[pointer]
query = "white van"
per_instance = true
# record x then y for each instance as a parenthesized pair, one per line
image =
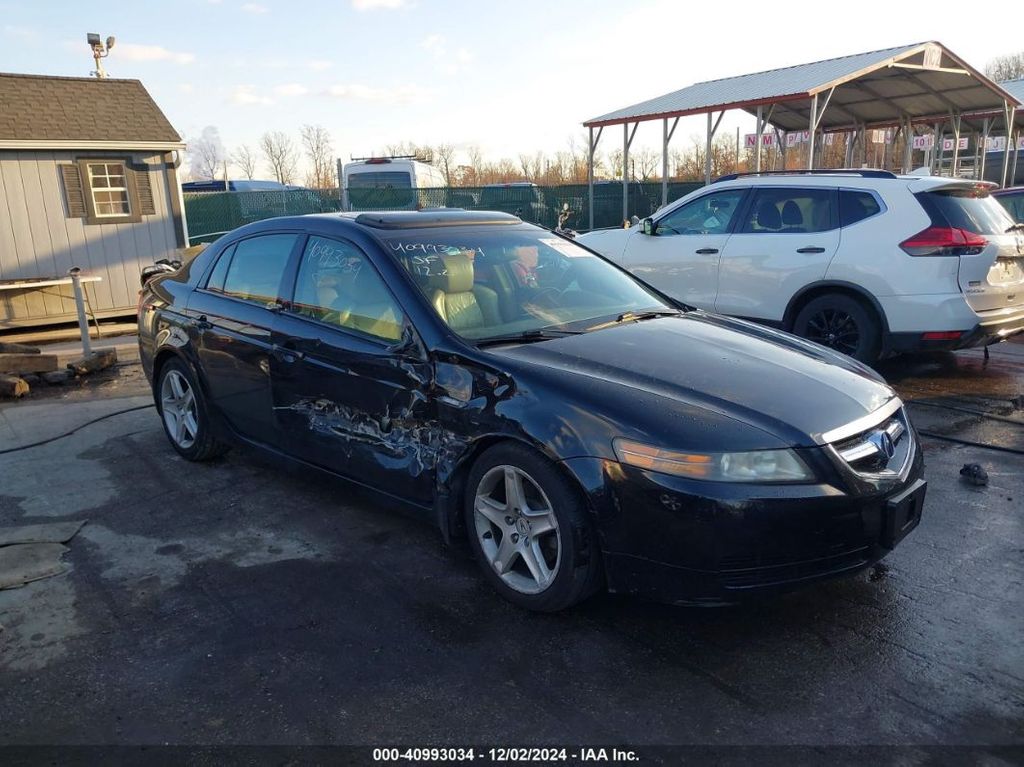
(389, 183)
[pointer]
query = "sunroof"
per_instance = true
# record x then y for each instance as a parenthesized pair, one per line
(424, 219)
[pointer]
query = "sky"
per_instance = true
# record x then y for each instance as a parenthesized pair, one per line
(509, 77)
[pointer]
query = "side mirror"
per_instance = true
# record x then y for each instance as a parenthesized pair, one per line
(408, 345)
(649, 227)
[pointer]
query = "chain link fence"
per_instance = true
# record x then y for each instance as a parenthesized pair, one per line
(211, 215)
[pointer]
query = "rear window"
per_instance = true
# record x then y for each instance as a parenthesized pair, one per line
(393, 179)
(1014, 203)
(856, 206)
(973, 210)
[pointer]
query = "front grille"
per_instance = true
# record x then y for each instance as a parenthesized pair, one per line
(882, 449)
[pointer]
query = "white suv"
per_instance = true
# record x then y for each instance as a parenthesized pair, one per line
(863, 261)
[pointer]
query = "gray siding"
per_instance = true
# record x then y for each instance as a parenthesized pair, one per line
(37, 239)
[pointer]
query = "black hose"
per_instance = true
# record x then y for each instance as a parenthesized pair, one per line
(72, 431)
(969, 443)
(979, 413)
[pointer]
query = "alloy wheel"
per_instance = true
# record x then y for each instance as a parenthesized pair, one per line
(178, 405)
(517, 529)
(835, 329)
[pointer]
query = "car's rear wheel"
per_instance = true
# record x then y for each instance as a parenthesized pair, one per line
(184, 414)
(530, 530)
(841, 323)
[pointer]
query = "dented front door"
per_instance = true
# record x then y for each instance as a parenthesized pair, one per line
(346, 397)
(348, 404)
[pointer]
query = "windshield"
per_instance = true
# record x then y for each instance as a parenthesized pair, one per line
(488, 283)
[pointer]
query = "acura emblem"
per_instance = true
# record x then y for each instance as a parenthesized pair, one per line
(883, 444)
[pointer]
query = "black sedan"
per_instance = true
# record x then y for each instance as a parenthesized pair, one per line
(577, 427)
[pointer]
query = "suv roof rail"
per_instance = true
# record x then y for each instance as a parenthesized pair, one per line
(862, 172)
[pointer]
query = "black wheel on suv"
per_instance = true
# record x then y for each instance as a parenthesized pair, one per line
(841, 323)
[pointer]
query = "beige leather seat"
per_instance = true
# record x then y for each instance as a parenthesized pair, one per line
(461, 303)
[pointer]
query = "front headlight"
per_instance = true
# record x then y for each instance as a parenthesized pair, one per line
(752, 466)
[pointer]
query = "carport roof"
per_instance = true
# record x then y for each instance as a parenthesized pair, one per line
(923, 81)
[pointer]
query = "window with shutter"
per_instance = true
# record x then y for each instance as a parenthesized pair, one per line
(74, 195)
(147, 206)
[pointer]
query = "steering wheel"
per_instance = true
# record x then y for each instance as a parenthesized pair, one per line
(546, 297)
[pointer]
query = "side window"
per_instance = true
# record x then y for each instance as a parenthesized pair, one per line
(257, 267)
(220, 270)
(856, 206)
(337, 285)
(710, 214)
(791, 211)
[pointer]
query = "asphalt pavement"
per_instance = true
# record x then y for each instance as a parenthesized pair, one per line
(239, 603)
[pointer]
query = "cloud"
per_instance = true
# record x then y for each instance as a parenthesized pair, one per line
(291, 89)
(319, 65)
(403, 94)
(25, 33)
(448, 63)
(136, 52)
(255, 8)
(186, 87)
(247, 94)
(373, 5)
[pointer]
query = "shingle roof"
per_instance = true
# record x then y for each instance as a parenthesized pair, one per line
(41, 108)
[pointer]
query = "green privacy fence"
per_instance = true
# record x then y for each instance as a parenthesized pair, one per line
(211, 215)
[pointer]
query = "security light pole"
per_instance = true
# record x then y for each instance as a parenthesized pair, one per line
(99, 51)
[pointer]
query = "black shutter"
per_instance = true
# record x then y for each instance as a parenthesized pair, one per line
(73, 191)
(145, 191)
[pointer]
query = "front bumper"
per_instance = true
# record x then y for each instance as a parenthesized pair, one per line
(689, 542)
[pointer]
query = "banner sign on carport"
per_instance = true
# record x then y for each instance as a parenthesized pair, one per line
(947, 144)
(767, 139)
(995, 144)
(924, 142)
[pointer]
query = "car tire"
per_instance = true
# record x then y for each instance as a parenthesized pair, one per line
(843, 324)
(184, 414)
(539, 552)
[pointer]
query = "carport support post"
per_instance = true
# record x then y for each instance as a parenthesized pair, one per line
(908, 146)
(627, 140)
(980, 174)
(757, 141)
(666, 136)
(954, 168)
(1016, 151)
(1009, 113)
(590, 178)
(936, 165)
(813, 127)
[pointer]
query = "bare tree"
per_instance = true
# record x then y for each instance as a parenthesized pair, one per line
(317, 143)
(445, 156)
(1009, 67)
(244, 158)
(206, 154)
(280, 155)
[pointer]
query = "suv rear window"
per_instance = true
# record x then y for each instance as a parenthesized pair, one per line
(856, 206)
(972, 210)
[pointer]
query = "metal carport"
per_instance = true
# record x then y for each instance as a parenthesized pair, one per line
(923, 83)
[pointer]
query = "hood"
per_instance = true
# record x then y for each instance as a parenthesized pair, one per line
(778, 383)
(610, 243)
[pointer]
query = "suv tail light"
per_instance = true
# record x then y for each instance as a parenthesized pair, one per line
(944, 241)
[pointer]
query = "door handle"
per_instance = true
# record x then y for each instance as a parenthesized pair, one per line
(706, 251)
(287, 352)
(202, 322)
(811, 250)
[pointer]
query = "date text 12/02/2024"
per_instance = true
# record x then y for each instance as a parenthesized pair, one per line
(505, 754)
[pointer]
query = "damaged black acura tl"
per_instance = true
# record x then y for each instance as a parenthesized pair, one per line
(577, 427)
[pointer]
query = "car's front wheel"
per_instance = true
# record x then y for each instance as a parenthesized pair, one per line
(842, 323)
(530, 530)
(184, 414)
